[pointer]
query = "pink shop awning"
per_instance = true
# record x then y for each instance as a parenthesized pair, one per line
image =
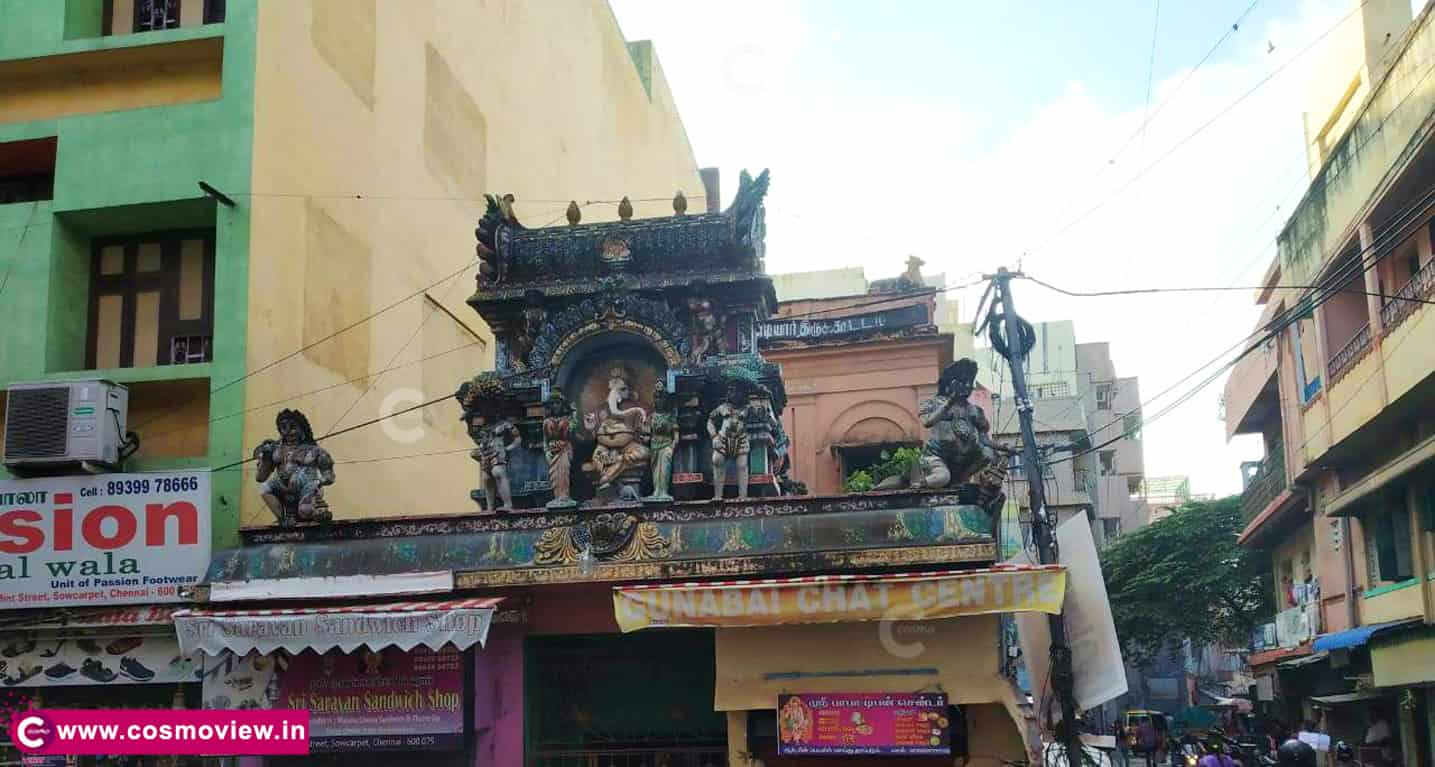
(405, 625)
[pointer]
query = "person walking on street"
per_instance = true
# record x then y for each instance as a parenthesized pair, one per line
(1146, 740)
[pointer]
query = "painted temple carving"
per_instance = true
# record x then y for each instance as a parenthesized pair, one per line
(619, 343)
(293, 470)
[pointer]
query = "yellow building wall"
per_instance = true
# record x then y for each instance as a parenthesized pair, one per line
(1392, 606)
(378, 126)
(1409, 352)
(110, 80)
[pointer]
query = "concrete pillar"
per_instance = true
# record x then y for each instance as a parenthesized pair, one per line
(737, 755)
(1372, 279)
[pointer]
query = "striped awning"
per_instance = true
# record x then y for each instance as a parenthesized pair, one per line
(405, 625)
(842, 598)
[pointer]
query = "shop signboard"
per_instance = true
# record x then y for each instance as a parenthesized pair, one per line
(95, 660)
(779, 329)
(102, 540)
(826, 599)
(367, 701)
(877, 724)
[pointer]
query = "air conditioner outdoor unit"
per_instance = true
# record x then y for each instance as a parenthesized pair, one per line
(54, 425)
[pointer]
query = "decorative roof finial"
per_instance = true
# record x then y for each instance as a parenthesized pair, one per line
(625, 208)
(574, 214)
(680, 203)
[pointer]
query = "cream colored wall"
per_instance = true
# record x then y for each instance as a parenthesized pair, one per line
(1356, 55)
(378, 125)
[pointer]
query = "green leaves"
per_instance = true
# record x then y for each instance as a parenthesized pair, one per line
(1184, 577)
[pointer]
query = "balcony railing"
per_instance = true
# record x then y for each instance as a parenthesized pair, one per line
(1267, 483)
(1349, 354)
(1408, 298)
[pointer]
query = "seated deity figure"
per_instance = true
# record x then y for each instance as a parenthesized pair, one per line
(621, 431)
(958, 444)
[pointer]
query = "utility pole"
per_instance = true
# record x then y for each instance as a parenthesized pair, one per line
(1043, 528)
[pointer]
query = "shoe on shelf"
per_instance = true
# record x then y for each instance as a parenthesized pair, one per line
(95, 670)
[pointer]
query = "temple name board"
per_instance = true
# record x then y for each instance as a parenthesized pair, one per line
(816, 328)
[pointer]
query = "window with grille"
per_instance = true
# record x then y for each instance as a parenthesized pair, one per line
(149, 15)
(1131, 425)
(1103, 396)
(151, 301)
(1048, 390)
(1388, 553)
(1108, 462)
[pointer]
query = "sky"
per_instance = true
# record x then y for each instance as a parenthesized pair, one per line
(984, 134)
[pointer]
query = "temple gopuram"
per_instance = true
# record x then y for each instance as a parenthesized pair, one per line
(637, 579)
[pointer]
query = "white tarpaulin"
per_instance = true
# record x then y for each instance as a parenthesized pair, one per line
(405, 625)
(1090, 629)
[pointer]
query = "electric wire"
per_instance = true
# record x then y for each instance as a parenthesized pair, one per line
(1272, 329)
(1173, 149)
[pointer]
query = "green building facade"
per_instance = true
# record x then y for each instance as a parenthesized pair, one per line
(129, 151)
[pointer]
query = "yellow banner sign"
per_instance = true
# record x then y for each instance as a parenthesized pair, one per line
(843, 599)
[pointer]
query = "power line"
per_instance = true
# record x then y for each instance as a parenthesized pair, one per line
(374, 380)
(1336, 281)
(355, 427)
(302, 395)
(1278, 324)
(1148, 291)
(907, 296)
(345, 329)
(1191, 136)
(1150, 74)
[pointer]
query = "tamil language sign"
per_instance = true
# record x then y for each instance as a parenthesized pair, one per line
(368, 700)
(104, 539)
(842, 598)
(901, 724)
(462, 623)
(825, 327)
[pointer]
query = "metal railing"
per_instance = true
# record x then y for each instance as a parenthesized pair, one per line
(1349, 354)
(1407, 299)
(1267, 483)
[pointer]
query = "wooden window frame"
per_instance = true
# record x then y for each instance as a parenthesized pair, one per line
(214, 13)
(131, 282)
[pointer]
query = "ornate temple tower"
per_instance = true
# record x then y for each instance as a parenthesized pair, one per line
(627, 363)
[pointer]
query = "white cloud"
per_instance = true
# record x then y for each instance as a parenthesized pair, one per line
(865, 181)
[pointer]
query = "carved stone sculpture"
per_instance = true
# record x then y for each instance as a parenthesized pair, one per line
(524, 336)
(664, 432)
(558, 429)
(727, 426)
(293, 471)
(621, 431)
(704, 330)
(494, 440)
(958, 444)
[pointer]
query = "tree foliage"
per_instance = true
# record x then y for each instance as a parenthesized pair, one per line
(1184, 577)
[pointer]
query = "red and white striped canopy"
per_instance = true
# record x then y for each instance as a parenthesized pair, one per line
(405, 625)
